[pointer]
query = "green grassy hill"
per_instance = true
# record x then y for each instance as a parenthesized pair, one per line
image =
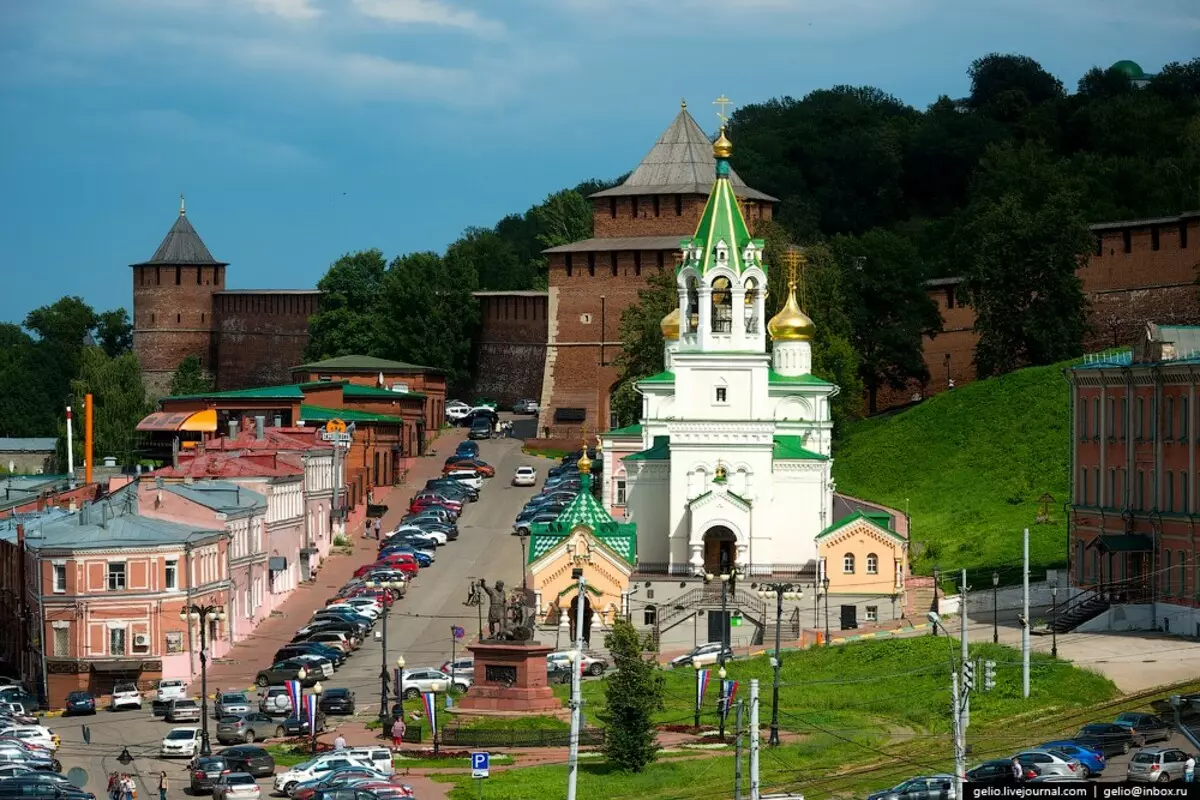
(969, 466)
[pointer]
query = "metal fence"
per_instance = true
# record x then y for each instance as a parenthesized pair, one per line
(505, 737)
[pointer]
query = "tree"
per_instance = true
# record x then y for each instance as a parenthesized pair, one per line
(492, 259)
(26, 405)
(562, 218)
(633, 693)
(190, 378)
(118, 399)
(114, 332)
(346, 322)
(889, 309)
(642, 342)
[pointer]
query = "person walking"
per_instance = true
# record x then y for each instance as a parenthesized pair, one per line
(1018, 771)
(162, 786)
(377, 528)
(1189, 769)
(398, 732)
(128, 790)
(113, 786)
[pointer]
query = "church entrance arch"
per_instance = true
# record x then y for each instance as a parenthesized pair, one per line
(587, 619)
(720, 550)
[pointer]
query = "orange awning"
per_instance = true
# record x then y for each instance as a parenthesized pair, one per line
(175, 421)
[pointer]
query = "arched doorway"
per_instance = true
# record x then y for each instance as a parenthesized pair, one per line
(587, 619)
(720, 545)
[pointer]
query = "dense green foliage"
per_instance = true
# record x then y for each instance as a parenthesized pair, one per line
(969, 466)
(633, 693)
(119, 401)
(190, 378)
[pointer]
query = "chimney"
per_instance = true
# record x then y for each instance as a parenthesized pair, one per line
(259, 422)
(233, 429)
(278, 421)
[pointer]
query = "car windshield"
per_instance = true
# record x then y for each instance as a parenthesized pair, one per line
(1128, 719)
(233, 698)
(240, 779)
(78, 696)
(125, 687)
(185, 734)
(185, 703)
(1093, 730)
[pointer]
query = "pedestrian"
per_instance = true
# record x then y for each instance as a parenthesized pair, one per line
(1189, 769)
(113, 786)
(1017, 770)
(377, 530)
(162, 786)
(398, 732)
(339, 743)
(128, 790)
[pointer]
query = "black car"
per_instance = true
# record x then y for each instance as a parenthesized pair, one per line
(1147, 727)
(999, 772)
(249, 758)
(298, 726)
(1107, 737)
(26, 788)
(309, 649)
(80, 703)
(481, 428)
(278, 673)
(204, 770)
(480, 416)
(337, 701)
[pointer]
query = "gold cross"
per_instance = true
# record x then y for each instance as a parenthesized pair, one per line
(796, 261)
(583, 431)
(722, 101)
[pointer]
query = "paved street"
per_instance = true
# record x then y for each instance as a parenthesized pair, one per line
(418, 626)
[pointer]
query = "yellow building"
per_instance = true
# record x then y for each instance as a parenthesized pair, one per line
(865, 562)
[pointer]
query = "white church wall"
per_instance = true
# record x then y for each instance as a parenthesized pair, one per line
(648, 504)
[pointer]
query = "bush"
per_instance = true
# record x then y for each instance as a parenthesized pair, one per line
(634, 693)
(341, 541)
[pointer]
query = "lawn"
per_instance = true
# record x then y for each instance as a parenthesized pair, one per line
(969, 466)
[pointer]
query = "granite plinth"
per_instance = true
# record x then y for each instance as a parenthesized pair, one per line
(510, 676)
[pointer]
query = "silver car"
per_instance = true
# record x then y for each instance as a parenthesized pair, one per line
(1157, 765)
(1051, 762)
(251, 726)
(186, 710)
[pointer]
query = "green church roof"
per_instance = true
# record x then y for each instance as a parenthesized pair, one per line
(1131, 69)
(662, 377)
(628, 430)
(294, 391)
(660, 450)
(584, 511)
(806, 380)
(791, 448)
(877, 518)
(721, 223)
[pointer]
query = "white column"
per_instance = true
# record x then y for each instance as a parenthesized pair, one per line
(738, 341)
(705, 298)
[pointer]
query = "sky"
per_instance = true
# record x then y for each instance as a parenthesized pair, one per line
(300, 130)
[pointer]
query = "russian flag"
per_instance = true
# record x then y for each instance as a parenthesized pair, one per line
(295, 695)
(430, 701)
(312, 714)
(702, 676)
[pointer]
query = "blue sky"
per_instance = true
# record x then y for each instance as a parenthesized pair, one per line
(303, 129)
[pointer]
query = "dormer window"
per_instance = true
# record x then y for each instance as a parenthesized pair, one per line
(722, 253)
(749, 255)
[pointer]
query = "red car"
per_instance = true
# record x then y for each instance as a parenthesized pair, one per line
(434, 499)
(405, 562)
(481, 468)
(387, 598)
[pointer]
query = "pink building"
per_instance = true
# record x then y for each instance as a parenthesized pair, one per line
(618, 443)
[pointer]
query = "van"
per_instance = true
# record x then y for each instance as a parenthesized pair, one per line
(379, 758)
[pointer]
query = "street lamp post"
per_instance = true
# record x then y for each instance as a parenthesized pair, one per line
(435, 687)
(521, 535)
(781, 591)
(1054, 619)
(724, 705)
(400, 685)
(825, 586)
(995, 608)
(315, 698)
(386, 586)
(937, 575)
(696, 666)
(204, 614)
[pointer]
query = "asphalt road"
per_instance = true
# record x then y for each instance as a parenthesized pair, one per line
(419, 627)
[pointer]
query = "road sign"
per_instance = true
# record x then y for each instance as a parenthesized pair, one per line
(480, 764)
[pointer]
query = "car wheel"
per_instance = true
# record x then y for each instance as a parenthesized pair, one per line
(1084, 772)
(280, 732)
(288, 788)
(56, 765)
(1164, 778)
(248, 738)
(461, 687)
(596, 669)
(411, 694)
(261, 680)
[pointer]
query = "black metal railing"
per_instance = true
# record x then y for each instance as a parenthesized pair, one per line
(758, 573)
(508, 737)
(722, 325)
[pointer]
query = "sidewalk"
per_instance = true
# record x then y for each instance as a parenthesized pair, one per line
(236, 671)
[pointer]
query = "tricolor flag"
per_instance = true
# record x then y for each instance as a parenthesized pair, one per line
(728, 690)
(702, 676)
(295, 695)
(430, 701)
(312, 713)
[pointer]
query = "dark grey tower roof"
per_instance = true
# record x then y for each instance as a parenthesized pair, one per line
(681, 162)
(182, 246)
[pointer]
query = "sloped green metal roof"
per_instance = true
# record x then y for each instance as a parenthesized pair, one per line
(584, 511)
(878, 519)
(721, 221)
(791, 448)
(628, 430)
(294, 391)
(802, 380)
(662, 377)
(364, 364)
(317, 414)
(659, 451)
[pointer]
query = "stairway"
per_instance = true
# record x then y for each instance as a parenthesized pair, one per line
(1080, 611)
(920, 602)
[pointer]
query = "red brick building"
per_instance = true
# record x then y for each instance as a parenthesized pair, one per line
(637, 229)
(181, 308)
(1134, 482)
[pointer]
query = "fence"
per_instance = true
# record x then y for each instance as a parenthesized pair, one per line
(506, 737)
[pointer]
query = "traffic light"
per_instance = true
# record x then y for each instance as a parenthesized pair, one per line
(989, 675)
(968, 676)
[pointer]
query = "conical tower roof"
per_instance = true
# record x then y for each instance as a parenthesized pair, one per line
(182, 246)
(722, 238)
(681, 162)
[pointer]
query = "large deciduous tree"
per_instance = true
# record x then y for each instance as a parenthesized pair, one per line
(114, 332)
(642, 342)
(346, 323)
(118, 398)
(889, 310)
(492, 259)
(190, 378)
(633, 693)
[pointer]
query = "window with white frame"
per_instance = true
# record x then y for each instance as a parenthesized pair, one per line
(116, 576)
(116, 641)
(62, 641)
(171, 574)
(872, 613)
(60, 578)
(872, 564)
(848, 564)
(620, 492)
(722, 394)
(174, 641)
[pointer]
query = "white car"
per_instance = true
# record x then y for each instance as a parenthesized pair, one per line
(172, 689)
(317, 662)
(236, 786)
(369, 611)
(437, 536)
(36, 735)
(456, 410)
(525, 476)
(286, 782)
(180, 743)
(467, 477)
(126, 695)
(417, 681)
(591, 664)
(364, 602)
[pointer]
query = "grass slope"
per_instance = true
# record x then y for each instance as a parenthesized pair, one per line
(969, 465)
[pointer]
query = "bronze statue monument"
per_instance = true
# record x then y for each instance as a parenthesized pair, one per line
(511, 616)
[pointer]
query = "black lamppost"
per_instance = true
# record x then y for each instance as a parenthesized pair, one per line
(522, 534)
(727, 579)
(697, 666)
(1054, 619)
(995, 608)
(781, 591)
(937, 574)
(825, 586)
(315, 699)
(203, 614)
(386, 586)
(400, 686)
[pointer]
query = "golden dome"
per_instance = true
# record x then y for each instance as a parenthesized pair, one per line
(791, 324)
(670, 326)
(722, 147)
(585, 463)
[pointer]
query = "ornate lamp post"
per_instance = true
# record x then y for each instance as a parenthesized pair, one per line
(522, 535)
(400, 684)
(781, 591)
(697, 666)
(387, 586)
(203, 614)
(724, 708)
(315, 699)
(995, 608)
(1054, 619)
(825, 586)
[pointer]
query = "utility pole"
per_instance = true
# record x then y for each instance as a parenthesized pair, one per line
(737, 755)
(1025, 619)
(960, 756)
(965, 701)
(754, 739)
(576, 700)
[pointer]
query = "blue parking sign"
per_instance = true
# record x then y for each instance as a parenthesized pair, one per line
(480, 764)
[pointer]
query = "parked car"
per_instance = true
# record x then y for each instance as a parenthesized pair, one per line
(590, 664)
(467, 477)
(456, 410)
(334, 648)
(186, 710)
(999, 772)
(276, 702)
(525, 476)
(171, 690)
(1146, 726)
(1156, 765)
(460, 666)
(1092, 762)
(298, 726)
(80, 703)
(180, 743)
(925, 787)
(228, 703)
(290, 670)
(35, 735)
(33, 758)
(249, 726)
(248, 758)
(467, 449)
(204, 771)
(236, 786)
(481, 428)
(1107, 737)
(484, 469)
(525, 407)
(1051, 762)
(524, 527)
(126, 695)
(705, 655)
(318, 767)
(415, 682)
(337, 701)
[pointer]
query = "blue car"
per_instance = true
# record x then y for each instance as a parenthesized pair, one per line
(423, 558)
(80, 703)
(1092, 760)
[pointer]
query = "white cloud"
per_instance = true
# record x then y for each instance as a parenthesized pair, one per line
(287, 9)
(426, 12)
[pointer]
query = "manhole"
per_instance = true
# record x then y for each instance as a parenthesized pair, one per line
(1150, 661)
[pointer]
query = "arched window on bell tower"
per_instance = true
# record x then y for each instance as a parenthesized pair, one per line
(753, 313)
(722, 306)
(693, 305)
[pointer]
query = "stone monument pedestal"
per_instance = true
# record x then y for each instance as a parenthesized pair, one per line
(510, 676)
